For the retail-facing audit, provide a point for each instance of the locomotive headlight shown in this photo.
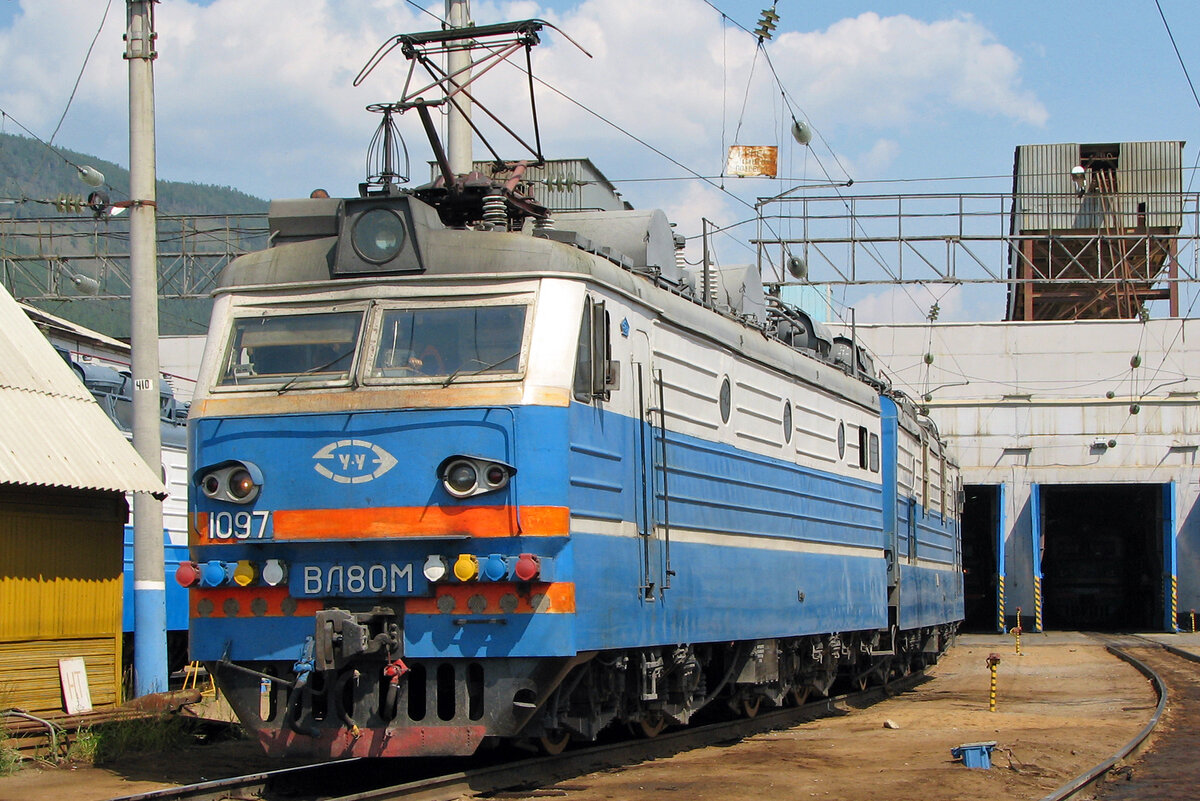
(241, 484)
(461, 478)
(464, 476)
(232, 482)
(378, 235)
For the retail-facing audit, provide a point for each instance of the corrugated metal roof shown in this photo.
(52, 432)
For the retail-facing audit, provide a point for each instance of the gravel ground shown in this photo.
(1063, 705)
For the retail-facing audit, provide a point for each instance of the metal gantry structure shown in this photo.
(63, 258)
(859, 240)
(969, 239)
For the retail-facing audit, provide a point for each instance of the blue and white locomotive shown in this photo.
(461, 474)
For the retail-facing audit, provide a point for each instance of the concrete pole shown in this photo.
(458, 129)
(149, 586)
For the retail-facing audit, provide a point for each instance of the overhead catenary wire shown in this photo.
(83, 68)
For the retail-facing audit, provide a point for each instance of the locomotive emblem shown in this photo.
(353, 461)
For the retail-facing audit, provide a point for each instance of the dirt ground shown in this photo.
(1063, 706)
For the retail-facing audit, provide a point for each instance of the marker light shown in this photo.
(495, 476)
(466, 567)
(435, 568)
(187, 574)
(212, 573)
(527, 567)
(494, 567)
(244, 574)
(274, 573)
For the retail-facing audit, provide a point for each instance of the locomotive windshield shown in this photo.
(449, 341)
(295, 347)
(442, 343)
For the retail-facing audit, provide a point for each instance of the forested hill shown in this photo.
(30, 172)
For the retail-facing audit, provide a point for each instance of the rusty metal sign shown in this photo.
(752, 161)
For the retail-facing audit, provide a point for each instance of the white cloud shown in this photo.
(909, 304)
(259, 96)
(875, 161)
(885, 71)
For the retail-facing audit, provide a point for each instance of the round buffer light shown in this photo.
(274, 573)
(245, 573)
(435, 568)
(494, 567)
(187, 574)
(212, 573)
(527, 567)
(466, 567)
(378, 235)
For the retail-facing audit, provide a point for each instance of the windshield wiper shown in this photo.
(320, 368)
(459, 372)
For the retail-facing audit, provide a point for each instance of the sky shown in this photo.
(259, 96)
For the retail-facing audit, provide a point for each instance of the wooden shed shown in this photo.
(64, 472)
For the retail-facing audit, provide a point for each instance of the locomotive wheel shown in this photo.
(750, 705)
(651, 725)
(861, 682)
(799, 695)
(554, 743)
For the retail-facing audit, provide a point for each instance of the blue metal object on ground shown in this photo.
(975, 755)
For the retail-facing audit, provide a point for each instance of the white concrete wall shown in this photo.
(1025, 403)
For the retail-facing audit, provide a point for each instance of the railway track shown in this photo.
(425, 780)
(1169, 770)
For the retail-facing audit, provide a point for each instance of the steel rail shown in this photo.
(1090, 776)
(250, 785)
(535, 771)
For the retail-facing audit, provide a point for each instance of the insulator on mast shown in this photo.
(766, 25)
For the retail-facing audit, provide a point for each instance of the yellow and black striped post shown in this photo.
(992, 661)
(1193, 621)
(1175, 602)
(1016, 630)
(1000, 603)
(1037, 603)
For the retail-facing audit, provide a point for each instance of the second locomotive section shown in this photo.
(522, 491)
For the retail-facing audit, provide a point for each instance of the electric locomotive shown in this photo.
(465, 470)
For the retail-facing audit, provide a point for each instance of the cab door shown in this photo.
(651, 449)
